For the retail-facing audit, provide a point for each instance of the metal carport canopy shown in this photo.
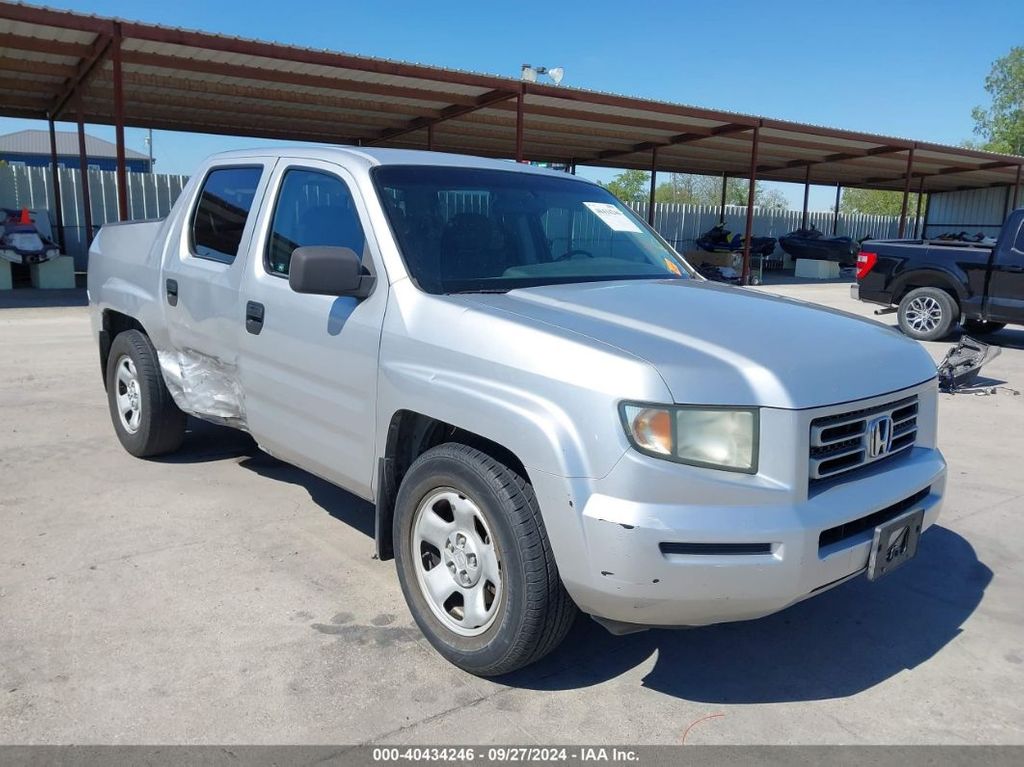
(59, 65)
(182, 80)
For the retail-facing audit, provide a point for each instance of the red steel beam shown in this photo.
(288, 53)
(654, 181)
(122, 176)
(97, 52)
(681, 138)
(920, 196)
(448, 113)
(836, 157)
(906, 192)
(261, 76)
(42, 45)
(835, 214)
(187, 88)
(519, 124)
(807, 195)
(46, 17)
(627, 102)
(58, 208)
(725, 187)
(28, 67)
(83, 165)
(745, 273)
(951, 171)
(195, 104)
(1016, 189)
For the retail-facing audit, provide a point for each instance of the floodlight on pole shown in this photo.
(529, 73)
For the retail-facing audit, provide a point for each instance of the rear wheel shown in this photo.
(146, 420)
(475, 564)
(981, 327)
(927, 314)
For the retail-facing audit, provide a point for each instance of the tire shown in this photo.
(506, 567)
(145, 418)
(981, 327)
(927, 314)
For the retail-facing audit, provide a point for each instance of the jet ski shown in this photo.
(719, 273)
(718, 239)
(20, 240)
(813, 244)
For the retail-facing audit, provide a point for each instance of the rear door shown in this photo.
(202, 274)
(309, 365)
(1006, 283)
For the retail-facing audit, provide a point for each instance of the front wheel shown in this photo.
(475, 564)
(927, 314)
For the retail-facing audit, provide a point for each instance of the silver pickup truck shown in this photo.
(549, 409)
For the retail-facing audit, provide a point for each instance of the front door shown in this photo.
(309, 364)
(1006, 284)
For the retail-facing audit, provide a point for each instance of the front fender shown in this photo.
(541, 433)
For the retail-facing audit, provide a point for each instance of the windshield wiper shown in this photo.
(478, 290)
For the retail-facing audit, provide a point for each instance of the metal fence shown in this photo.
(152, 195)
(149, 196)
(682, 224)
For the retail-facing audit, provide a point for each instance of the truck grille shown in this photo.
(847, 441)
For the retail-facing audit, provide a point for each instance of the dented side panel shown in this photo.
(204, 386)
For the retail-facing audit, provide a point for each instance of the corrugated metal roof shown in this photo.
(178, 79)
(38, 142)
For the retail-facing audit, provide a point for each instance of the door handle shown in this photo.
(254, 317)
(172, 292)
(1013, 269)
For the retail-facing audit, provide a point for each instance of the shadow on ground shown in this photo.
(840, 643)
(29, 298)
(835, 645)
(209, 442)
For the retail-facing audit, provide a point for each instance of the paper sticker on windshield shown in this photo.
(616, 220)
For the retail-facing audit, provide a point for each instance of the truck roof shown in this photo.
(372, 156)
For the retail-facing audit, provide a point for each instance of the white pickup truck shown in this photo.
(548, 408)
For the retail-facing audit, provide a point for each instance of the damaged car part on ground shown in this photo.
(545, 421)
(960, 368)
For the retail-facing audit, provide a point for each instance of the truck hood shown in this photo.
(718, 345)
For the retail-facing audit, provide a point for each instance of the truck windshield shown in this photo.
(464, 230)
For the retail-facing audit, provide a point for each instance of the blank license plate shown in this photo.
(894, 543)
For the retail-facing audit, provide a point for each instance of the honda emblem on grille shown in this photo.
(880, 436)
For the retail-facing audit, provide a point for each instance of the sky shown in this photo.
(906, 69)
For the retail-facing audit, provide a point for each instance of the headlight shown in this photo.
(716, 437)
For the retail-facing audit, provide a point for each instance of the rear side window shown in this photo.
(219, 218)
(313, 208)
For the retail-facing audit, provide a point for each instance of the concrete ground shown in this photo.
(220, 596)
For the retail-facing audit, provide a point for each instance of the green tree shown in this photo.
(691, 189)
(630, 185)
(877, 202)
(1001, 126)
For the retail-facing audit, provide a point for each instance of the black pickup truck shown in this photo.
(937, 284)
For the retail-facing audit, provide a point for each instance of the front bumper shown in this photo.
(740, 546)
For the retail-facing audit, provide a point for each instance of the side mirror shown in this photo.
(328, 271)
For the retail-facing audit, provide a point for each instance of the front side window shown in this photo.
(219, 218)
(470, 229)
(313, 208)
